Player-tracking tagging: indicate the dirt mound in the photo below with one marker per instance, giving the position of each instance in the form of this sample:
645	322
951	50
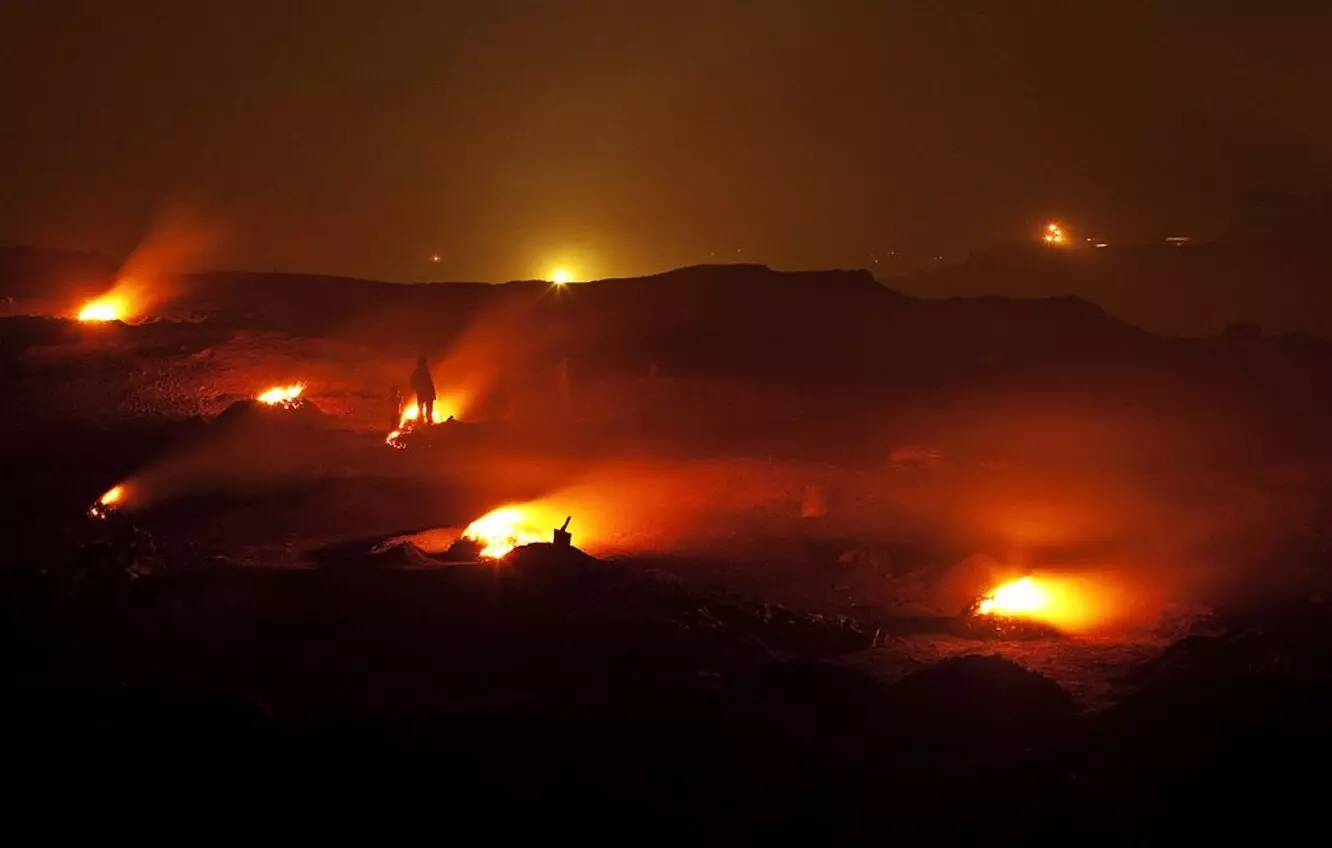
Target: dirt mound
975	700
1294	647
401	555
248	413
1243	745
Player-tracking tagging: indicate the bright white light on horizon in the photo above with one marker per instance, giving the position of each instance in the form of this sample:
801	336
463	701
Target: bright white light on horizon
561	276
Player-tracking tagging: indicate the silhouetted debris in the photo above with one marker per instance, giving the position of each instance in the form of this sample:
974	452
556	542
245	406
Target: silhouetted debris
780	629
130	554
464	549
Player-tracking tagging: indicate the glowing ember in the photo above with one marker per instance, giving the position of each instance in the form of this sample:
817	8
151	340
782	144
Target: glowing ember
1024	597
108	502
501	531
103	309
287	396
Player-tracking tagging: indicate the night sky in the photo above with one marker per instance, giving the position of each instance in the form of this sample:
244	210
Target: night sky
620	138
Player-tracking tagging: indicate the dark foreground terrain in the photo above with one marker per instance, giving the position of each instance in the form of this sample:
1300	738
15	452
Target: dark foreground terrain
246	635
554	687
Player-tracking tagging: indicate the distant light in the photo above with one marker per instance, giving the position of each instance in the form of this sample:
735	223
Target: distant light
1054	235
561	276
1102	244
434	258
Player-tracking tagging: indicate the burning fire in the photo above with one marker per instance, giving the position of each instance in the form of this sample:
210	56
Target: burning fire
411	413
501	531
108	308
287	396
439	413
1024	597
108	502
1067	601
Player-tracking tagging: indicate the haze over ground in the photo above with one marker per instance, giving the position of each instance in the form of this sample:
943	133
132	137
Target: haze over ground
849	554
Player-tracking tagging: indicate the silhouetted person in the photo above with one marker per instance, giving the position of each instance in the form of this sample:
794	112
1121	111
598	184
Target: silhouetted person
395	397
425	390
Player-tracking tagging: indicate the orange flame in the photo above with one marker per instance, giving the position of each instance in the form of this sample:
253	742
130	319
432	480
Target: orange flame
1065	601
107	503
502	530
1024	597
440	411
125	301
281	395
112	307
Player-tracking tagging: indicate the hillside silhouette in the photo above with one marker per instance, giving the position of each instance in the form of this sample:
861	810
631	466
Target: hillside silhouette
1270	267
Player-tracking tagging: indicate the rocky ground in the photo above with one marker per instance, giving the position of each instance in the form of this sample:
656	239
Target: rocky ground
723	664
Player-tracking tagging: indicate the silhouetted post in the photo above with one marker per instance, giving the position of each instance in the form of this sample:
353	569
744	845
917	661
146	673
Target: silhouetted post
563	538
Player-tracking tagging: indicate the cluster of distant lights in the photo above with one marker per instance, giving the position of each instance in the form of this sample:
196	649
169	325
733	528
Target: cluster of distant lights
1054	235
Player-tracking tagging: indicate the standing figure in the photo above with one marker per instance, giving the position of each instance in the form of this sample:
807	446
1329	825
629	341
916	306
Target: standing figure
425	390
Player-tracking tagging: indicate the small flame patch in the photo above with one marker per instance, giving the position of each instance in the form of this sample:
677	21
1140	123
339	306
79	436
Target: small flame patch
284	396
107	503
